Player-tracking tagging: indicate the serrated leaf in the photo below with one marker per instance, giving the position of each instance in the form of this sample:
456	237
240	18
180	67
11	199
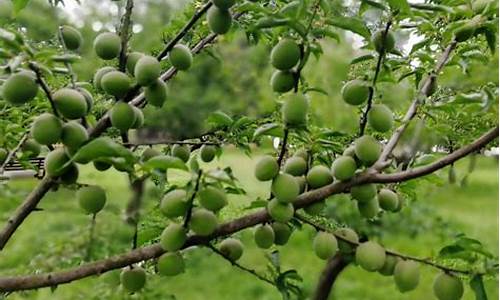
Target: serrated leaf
352	24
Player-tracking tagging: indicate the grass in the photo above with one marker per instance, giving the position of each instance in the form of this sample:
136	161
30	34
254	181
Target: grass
56	238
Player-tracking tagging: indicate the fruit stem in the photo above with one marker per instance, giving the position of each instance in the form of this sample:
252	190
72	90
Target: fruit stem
44	86
91	238
12	153
283	146
191	200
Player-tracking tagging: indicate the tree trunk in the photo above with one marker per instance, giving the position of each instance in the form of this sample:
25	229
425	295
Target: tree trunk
333	267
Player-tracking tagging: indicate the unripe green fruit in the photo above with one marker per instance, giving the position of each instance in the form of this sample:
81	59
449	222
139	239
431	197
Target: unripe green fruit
173	237
91	198
348	234
107	45
174	204
132	59
294	110
370	256
46	129
122	116
406	275
72	38
31	148
315	209
203	222
369	209
70	103
147	70
367	149
181	151
134	279
380	118
325	245
478	6
285	55
388	200
282	233
98	76
73	135
219	20
448	287
266	168
180	57
301	180
344	167
55	162
149	153
319	176
355	92
101	165
116	83
465	32
231	248
389	265
223	4
19	88
302	153
88	98
383	44
6	9
364	193
71	175
295	166
285	188
264	236
282	81
171	264
156	93
3	155
207	153
139	118
280	212
212	198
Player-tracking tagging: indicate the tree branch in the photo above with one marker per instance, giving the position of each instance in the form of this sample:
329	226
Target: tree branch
132	212
13	152
44	86
412	110
283	147
125	34
189	211
332	269
145	253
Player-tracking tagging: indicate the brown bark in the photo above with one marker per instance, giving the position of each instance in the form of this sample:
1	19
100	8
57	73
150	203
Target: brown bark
331	271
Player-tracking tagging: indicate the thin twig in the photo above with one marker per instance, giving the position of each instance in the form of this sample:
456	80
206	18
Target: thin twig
283	146
132	211
148	143
189	211
125	34
13	152
44	86
91	238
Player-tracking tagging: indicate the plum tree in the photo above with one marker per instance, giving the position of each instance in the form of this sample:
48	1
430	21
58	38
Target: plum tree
282	233
70	103
264	236
181	151
295	110
355	92
212	198
295	166
173	237
282	81
171	264
156	93
20	88
134	279
388	200
383	41
406	275
367	149
219	20
180	57
319	176
325	245
107	45
147	70
207	153
370	256
174	203
132	59
46	129
448	287
203	222
266	168
380	118
285	55
122	116
344	167
231	248
285	188
91	198
279	211
72	38
115	83
73	135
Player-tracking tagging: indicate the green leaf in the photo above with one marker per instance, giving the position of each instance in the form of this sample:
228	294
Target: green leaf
164	162
352	24
99	148
66	58
257	204
218	120
362	58
269	22
399	5
375	4
271	129
432	7
19	5
476	284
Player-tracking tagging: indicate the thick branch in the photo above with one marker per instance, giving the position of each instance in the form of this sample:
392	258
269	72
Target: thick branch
13	152
332	269
125	34
412	110
43	280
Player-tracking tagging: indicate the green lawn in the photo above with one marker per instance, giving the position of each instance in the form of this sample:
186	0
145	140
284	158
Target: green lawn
56	238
